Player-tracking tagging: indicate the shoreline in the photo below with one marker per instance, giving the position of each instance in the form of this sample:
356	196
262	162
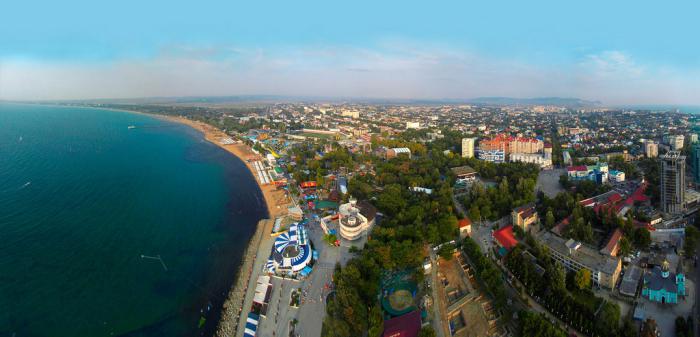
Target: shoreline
232	308
275	203
240	151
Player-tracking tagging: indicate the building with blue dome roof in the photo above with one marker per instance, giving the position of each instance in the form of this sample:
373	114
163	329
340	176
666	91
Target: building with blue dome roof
663	286
291	252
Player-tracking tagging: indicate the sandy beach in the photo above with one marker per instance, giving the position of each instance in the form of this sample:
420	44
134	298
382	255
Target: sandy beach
276	205
273	197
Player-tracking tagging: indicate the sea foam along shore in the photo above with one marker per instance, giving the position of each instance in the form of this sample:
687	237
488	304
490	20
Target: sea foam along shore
232	307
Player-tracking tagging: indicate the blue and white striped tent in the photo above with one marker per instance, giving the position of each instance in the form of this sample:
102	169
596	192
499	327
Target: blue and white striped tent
302	259
302	235
293	233
282	242
270	266
251	325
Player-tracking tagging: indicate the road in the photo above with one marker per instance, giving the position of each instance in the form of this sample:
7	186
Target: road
532	304
438	323
696	312
482	235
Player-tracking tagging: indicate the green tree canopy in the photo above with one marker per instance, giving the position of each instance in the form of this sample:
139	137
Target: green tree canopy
583	279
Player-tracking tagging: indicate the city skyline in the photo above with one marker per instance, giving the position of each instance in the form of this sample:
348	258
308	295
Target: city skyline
622	53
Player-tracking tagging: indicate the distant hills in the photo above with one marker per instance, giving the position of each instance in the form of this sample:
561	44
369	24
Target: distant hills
559	101
252	99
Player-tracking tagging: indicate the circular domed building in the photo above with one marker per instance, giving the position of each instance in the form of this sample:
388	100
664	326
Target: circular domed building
352	222
291	251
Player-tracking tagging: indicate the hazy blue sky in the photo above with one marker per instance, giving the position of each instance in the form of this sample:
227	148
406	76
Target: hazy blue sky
614	51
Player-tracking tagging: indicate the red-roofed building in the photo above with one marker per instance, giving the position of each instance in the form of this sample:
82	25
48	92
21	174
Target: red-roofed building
510	144
308	184
561	226
638	195
614	198
505	238
465	228
407	325
607	202
613	244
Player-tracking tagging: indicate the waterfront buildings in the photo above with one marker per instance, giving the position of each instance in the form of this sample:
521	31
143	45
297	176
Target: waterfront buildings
672	182
468	147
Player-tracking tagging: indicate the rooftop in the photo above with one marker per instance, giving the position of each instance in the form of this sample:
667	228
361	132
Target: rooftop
406	325
465	223
505	237
463	170
655	281
612	242
584	254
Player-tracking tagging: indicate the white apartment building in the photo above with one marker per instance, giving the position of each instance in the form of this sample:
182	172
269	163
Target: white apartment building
468	147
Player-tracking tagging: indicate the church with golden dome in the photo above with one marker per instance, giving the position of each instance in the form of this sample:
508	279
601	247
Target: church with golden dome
663	286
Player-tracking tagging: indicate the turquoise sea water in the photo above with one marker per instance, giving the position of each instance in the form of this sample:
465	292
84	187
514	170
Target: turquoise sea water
82	197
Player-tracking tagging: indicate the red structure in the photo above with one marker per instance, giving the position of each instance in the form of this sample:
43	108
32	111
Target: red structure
407	325
308	184
510	144
505	238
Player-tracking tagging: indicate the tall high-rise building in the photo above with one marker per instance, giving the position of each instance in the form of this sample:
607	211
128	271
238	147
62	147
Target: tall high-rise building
468	147
695	159
676	142
651	149
693	138
672	182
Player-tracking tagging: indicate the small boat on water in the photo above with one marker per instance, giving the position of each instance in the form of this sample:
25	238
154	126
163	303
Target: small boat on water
131	127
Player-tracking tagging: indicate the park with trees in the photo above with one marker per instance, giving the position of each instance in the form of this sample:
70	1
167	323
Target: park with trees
567	296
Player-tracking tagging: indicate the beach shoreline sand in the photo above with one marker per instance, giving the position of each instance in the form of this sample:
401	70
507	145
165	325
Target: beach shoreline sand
276	204
273	197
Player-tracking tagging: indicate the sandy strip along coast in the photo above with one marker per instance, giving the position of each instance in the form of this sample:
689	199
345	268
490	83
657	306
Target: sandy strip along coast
276	206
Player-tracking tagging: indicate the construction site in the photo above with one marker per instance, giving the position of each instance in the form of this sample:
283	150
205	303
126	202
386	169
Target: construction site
468	311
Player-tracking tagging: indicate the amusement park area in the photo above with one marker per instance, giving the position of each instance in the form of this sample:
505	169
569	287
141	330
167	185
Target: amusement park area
301	249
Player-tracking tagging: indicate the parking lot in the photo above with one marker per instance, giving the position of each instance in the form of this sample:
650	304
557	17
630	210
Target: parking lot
314	290
548	182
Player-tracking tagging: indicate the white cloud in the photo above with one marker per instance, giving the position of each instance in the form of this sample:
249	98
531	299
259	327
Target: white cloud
395	70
